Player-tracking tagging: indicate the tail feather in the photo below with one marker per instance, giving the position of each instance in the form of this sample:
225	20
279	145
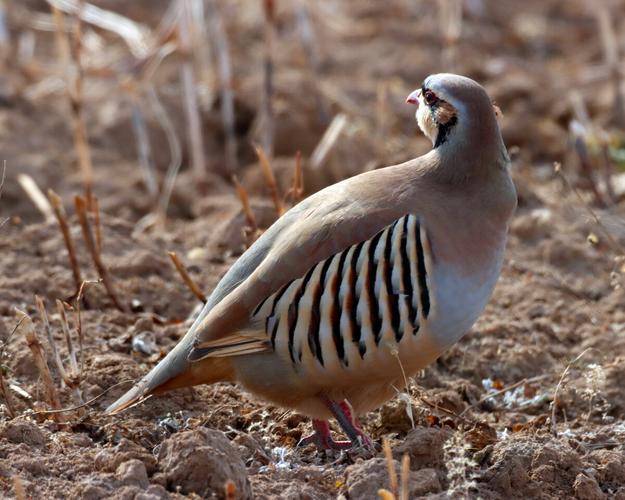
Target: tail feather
174	372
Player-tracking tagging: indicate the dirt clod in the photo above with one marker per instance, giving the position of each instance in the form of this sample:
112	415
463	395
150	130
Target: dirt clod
201	461
424	446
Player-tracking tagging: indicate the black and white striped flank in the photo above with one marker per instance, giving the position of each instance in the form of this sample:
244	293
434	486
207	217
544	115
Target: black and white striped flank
345	306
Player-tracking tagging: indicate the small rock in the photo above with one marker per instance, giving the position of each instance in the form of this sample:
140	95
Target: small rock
424	446
586	488
109	459
394	417
364	479
154	492
93	492
145	343
422	482
23	431
201	461
132	473
144	323
125	493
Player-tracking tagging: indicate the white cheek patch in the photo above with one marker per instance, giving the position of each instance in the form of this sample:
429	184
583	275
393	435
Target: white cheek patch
426	122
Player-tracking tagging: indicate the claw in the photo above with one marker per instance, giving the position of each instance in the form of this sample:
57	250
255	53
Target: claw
322	438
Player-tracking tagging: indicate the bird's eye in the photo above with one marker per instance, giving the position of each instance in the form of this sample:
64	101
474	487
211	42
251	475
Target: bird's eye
429	97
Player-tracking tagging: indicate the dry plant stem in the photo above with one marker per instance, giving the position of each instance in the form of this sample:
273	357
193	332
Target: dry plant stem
268	120
136	36
304	26
5	393
4	171
270	180
390	466
554	406
201	51
245	203
79	325
175	151
5	36
587	169
405	477
186	278
86	403
144	150
74	84
95	205
18	488
68	338
616	246
81	210
51	342
327	142
222	51
8	399
61	217
608	172
297	188
37	197
385	494
187	75
40	360
612	59
230	490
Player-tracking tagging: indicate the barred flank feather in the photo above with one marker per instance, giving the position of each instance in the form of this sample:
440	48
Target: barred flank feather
374	290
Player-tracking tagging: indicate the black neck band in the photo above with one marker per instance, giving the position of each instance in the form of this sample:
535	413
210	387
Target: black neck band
443	131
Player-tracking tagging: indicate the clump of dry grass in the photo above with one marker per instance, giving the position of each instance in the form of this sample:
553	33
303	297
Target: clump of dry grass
52	396
3	385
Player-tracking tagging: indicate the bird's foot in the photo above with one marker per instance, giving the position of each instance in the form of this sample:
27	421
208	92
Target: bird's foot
343	414
322	438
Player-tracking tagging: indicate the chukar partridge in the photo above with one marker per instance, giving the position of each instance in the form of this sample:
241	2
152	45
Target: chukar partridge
363	283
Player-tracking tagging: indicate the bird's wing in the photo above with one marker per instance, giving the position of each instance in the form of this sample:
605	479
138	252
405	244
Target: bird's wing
325	224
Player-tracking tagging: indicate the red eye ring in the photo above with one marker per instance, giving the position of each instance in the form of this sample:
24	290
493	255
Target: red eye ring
429	97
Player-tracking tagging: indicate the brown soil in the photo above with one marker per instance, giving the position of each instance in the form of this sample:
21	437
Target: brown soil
560	296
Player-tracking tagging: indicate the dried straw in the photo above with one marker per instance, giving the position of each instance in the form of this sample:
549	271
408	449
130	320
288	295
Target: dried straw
270	180
40	360
187	76
61	217
40	201
221	47
81	210
184	274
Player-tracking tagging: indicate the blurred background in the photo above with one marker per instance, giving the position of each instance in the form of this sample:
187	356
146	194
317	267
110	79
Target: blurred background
189	126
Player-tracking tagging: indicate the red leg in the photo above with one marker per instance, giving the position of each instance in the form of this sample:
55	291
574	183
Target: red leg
343	414
321	435
322	439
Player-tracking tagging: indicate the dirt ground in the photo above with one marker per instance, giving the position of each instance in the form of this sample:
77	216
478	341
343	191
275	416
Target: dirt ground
554	330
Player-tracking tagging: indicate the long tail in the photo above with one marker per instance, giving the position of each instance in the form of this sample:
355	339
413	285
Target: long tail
173	372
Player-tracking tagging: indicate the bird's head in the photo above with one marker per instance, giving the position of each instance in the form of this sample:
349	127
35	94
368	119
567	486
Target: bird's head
447	104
